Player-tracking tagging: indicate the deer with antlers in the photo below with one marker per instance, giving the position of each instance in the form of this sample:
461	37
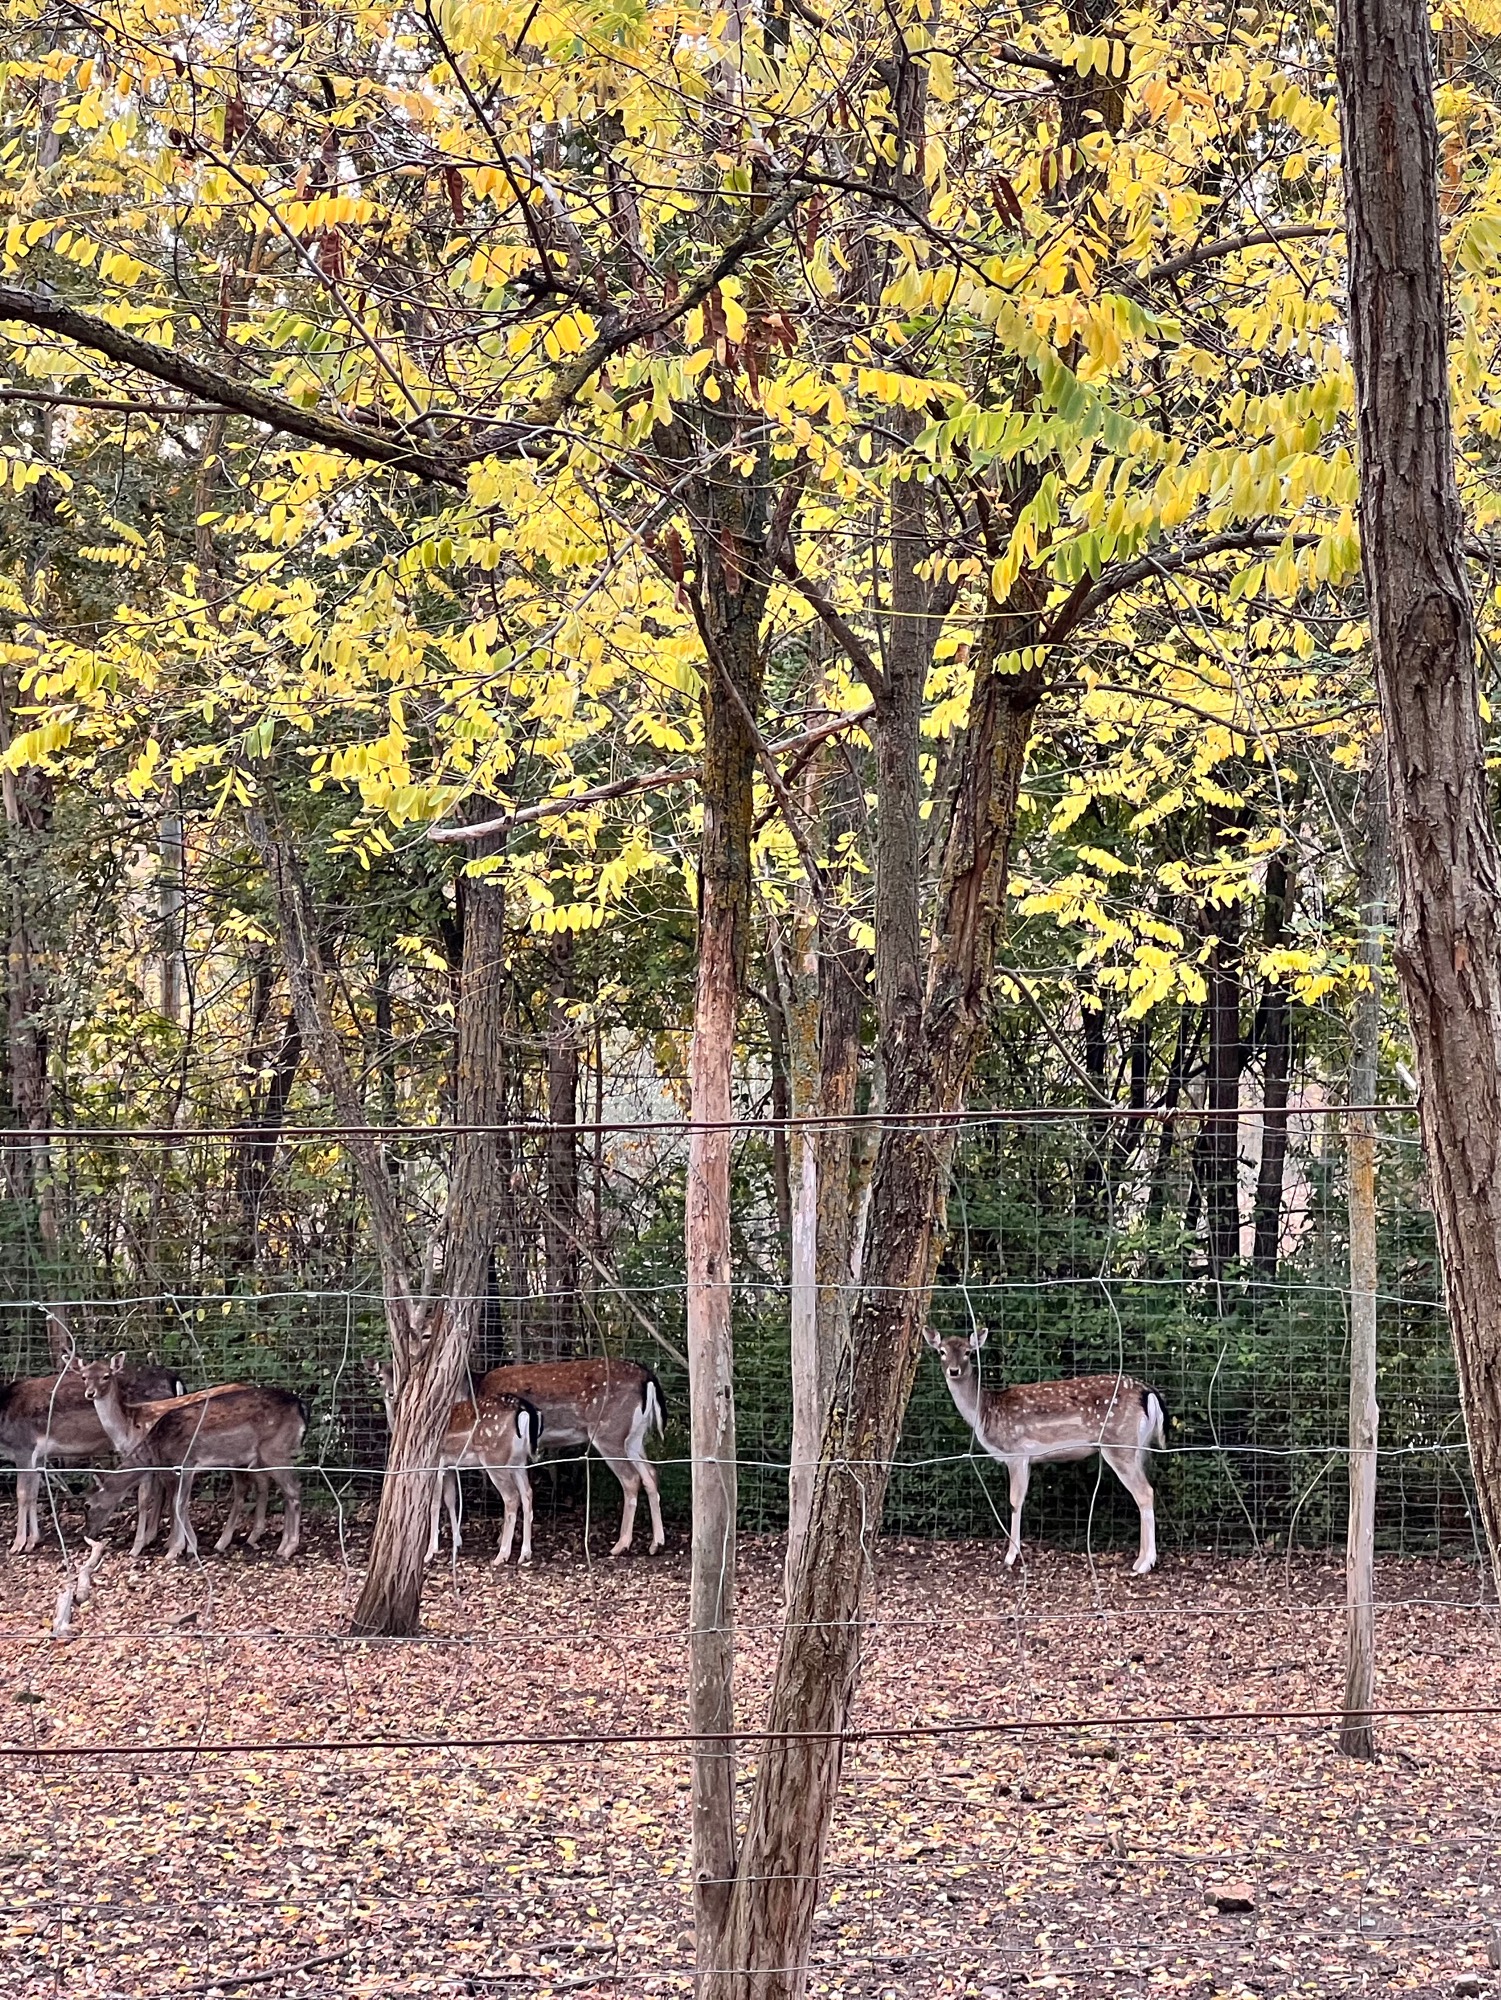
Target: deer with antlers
46	1417
497	1434
238	1427
612	1405
1055	1423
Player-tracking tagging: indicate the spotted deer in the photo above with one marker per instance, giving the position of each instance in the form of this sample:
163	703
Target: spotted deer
496	1434
47	1417
612	1405
235	1427
1055	1423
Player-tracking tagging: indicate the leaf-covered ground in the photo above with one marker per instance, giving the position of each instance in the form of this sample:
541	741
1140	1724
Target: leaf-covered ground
1076	1860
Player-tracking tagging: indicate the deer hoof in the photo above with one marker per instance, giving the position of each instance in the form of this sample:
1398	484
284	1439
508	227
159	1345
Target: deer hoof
1143	1566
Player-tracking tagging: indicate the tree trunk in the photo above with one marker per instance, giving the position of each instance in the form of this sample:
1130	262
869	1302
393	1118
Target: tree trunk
730	602
825	987
435	1375
800	1003
562	1224
1357	1736
429	1339
1220	1149
1447	945
1276	1074
29	1161
929	1063
171	891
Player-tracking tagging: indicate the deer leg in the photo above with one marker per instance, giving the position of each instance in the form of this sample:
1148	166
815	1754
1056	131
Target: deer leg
28	1531
1020	1470
440	1494
630	1486
291	1510
148	1513
648	1476
184	1542
505	1485
232	1518
1128	1468
262	1502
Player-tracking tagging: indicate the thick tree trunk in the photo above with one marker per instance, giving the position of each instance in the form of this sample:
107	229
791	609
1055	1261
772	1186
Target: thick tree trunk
429	1339
935	1044
435	1374
1357	1737
1447	859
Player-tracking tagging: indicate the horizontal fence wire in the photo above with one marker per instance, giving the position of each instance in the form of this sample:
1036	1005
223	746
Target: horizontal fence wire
1078	1243
668	1739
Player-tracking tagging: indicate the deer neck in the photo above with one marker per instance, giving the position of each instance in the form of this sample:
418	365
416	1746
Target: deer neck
123	1431
966	1394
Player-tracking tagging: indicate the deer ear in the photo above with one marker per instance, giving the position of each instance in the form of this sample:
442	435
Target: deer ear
931	1337
979	1337
117	1362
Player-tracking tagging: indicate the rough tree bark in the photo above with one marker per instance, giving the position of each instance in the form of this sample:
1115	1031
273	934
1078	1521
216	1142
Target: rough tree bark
931	1030
429	1336
1357	1736
1447	945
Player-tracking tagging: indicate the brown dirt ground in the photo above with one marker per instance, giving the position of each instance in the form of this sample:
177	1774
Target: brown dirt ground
1072	1860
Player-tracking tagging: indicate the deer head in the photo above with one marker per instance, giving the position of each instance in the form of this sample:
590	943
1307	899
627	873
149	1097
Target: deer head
101	1387
957	1351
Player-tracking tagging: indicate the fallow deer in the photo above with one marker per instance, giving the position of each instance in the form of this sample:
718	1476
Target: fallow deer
494	1434
236	1427
45	1417
612	1405
1054	1423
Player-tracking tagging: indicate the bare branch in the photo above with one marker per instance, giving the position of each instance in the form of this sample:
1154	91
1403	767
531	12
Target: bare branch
820	602
619	788
1226	246
165	364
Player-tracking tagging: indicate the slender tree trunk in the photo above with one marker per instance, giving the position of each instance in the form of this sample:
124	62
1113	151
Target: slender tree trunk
1276	1074
1357	1736
1447	945
824	985
800	1001
1220	1147
171	893
562	1224
29	1162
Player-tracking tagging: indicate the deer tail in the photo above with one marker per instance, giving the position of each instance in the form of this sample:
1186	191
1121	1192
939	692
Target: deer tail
1156	1419
529	1424
654	1403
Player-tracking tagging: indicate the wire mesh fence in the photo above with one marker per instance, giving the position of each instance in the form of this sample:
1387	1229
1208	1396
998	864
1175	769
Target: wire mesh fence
1078	1242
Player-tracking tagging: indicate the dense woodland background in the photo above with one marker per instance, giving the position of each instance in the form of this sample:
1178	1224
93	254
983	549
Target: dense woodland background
1116	308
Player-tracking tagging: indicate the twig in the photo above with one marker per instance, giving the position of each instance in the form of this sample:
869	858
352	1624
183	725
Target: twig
273	1972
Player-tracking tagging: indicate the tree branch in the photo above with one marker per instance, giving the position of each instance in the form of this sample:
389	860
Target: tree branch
400	452
263	406
818	601
1226	246
619	788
